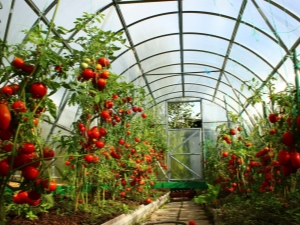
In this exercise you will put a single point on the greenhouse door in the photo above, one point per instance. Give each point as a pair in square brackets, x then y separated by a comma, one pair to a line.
[185, 158]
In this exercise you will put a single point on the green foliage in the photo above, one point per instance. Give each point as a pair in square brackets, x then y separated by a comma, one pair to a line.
[180, 115]
[210, 196]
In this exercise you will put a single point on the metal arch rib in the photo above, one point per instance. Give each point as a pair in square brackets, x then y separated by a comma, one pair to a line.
[198, 85]
[197, 97]
[214, 53]
[283, 9]
[201, 64]
[132, 45]
[45, 20]
[229, 84]
[252, 122]
[281, 43]
[295, 45]
[206, 100]
[235, 30]
[181, 45]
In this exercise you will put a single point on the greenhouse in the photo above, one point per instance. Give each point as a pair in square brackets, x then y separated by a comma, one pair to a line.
[131, 112]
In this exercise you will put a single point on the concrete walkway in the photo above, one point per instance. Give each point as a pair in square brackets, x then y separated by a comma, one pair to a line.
[181, 211]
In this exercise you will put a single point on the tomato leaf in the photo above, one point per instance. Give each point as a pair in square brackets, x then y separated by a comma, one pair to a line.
[51, 107]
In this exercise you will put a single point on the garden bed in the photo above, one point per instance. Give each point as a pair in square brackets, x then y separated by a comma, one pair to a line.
[121, 211]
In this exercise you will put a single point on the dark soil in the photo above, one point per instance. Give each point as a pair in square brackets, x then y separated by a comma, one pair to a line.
[61, 214]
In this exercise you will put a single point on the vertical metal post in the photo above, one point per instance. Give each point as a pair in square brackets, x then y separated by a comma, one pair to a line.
[168, 144]
[229, 124]
[296, 67]
[202, 143]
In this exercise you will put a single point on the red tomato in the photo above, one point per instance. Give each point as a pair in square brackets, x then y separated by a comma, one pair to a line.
[5, 117]
[88, 158]
[19, 106]
[298, 121]
[7, 146]
[104, 61]
[23, 197]
[17, 199]
[108, 104]
[273, 118]
[121, 142]
[101, 83]
[27, 148]
[192, 222]
[115, 96]
[272, 131]
[148, 200]
[28, 68]
[18, 63]
[137, 139]
[140, 109]
[48, 153]
[123, 194]
[99, 144]
[288, 139]
[232, 131]
[134, 108]
[103, 131]
[30, 172]
[88, 74]
[105, 114]
[144, 115]
[38, 90]
[4, 167]
[49, 186]
[34, 195]
[104, 74]
[284, 158]
[7, 90]
[225, 154]
[295, 159]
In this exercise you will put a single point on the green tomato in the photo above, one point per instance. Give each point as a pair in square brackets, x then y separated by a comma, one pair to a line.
[84, 65]
[86, 60]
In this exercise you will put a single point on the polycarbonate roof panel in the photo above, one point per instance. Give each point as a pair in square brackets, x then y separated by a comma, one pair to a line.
[186, 42]
[156, 46]
[198, 79]
[167, 69]
[203, 58]
[201, 70]
[154, 27]
[206, 43]
[200, 88]
[285, 26]
[165, 81]
[287, 71]
[198, 94]
[167, 93]
[125, 61]
[213, 112]
[160, 60]
[257, 65]
[244, 73]
[217, 25]
[138, 11]
[216, 6]
[237, 85]
[22, 19]
[259, 44]
[255, 21]
[161, 78]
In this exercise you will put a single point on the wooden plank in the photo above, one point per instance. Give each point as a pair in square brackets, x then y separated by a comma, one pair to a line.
[192, 184]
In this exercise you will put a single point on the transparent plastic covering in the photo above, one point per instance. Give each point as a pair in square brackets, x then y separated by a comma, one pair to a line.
[192, 49]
